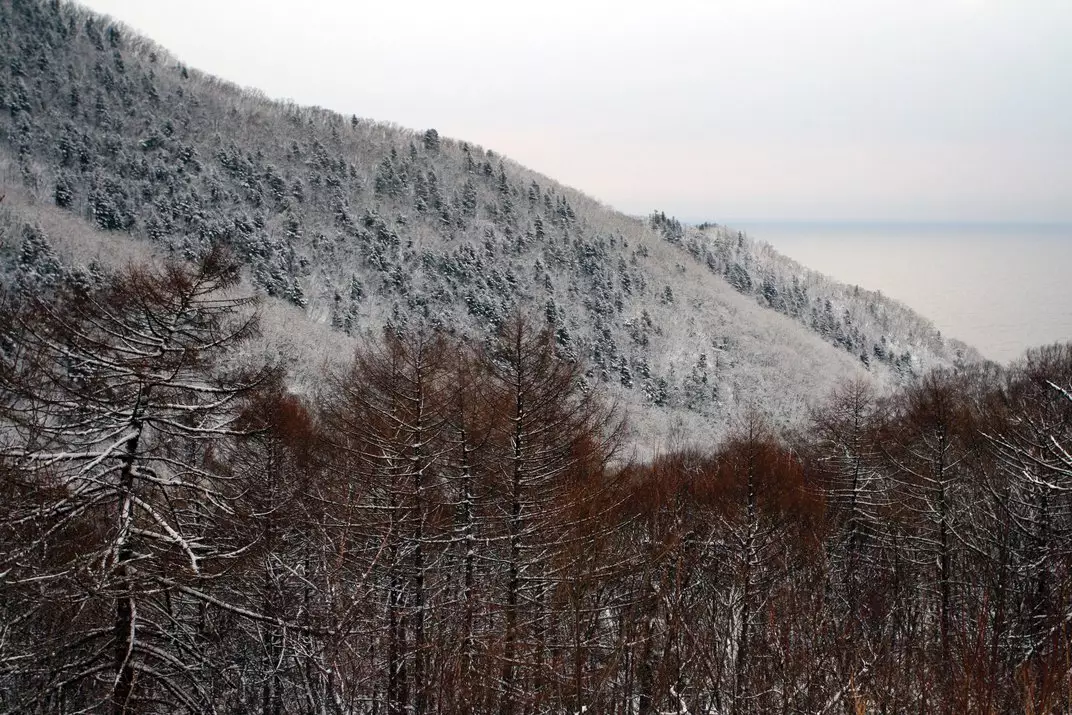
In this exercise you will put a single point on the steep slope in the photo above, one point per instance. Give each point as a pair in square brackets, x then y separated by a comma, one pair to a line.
[863, 322]
[106, 140]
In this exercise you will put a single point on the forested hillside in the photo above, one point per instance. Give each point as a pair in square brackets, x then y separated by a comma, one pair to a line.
[447, 528]
[303, 413]
[361, 224]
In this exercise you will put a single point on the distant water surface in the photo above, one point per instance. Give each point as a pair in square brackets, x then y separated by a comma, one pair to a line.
[999, 287]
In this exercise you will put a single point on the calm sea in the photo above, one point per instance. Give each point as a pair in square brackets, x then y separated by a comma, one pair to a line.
[1000, 287]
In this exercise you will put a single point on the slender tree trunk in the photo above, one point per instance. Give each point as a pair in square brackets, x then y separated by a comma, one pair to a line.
[395, 666]
[645, 674]
[470, 560]
[419, 650]
[124, 637]
[513, 588]
[854, 539]
[944, 555]
[272, 697]
[125, 608]
[740, 676]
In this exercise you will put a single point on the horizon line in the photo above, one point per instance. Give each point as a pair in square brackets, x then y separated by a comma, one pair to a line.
[1011, 223]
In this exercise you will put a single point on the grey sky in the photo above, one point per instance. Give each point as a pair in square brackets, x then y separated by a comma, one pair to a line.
[726, 109]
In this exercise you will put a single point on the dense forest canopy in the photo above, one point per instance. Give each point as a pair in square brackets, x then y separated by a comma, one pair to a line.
[450, 527]
[359, 224]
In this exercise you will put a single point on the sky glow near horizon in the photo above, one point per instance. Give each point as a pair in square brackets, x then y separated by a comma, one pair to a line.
[950, 110]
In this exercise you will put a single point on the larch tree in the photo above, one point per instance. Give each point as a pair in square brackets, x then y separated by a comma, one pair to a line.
[544, 424]
[112, 399]
[1031, 443]
[927, 452]
[761, 486]
[390, 417]
[282, 525]
[853, 484]
[470, 490]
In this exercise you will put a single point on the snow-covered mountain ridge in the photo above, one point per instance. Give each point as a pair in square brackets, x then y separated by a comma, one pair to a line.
[110, 147]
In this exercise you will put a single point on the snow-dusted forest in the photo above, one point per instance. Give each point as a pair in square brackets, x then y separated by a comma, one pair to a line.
[310, 413]
[449, 527]
[359, 224]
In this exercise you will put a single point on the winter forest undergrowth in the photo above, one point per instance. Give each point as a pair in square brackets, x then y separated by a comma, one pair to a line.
[446, 528]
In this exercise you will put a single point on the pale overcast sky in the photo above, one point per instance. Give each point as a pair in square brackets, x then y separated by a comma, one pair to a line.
[724, 109]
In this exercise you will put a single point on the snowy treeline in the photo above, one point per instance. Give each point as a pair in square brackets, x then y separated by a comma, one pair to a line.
[447, 528]
[363, 224]
[862, 322]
